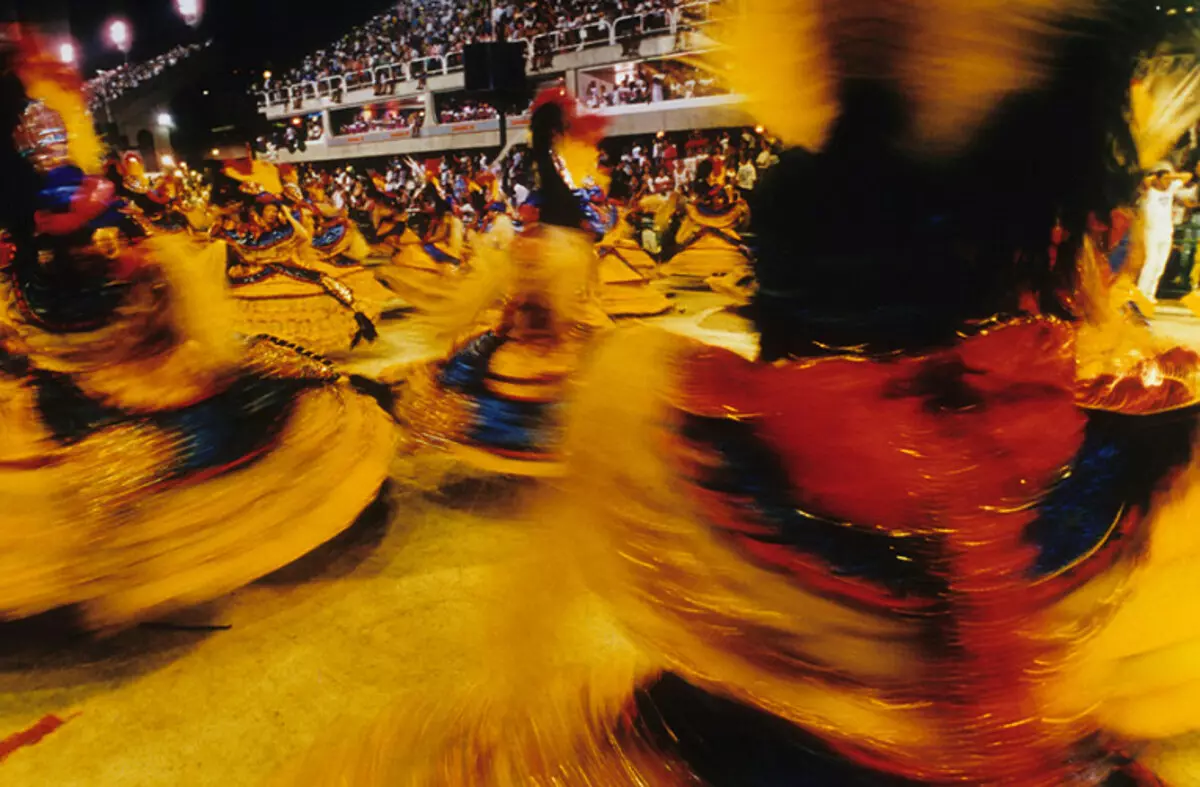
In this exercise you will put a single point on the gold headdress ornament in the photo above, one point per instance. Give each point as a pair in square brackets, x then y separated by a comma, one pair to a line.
[954, 60]
[256, 177]
[56, 87]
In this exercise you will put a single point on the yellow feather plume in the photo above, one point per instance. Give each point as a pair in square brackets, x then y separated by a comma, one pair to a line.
[778, 59]
[1164, 104]
[84, 147]
[582, 160]
[953, 59]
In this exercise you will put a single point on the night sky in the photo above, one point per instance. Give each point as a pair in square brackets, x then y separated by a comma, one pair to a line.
[253, 34]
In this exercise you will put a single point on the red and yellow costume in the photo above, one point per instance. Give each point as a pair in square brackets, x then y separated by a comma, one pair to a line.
[943, 531]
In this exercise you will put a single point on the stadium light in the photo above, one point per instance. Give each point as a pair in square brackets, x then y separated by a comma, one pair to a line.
[66, 52]
[120, 35]
[190, 10]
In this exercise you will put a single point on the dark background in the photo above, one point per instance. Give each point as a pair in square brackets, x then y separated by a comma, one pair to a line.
[249, 36]
[252, 34]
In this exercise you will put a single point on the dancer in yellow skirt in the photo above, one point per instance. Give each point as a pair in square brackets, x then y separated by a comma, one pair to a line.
[493, 219]
[519, 325]
[149, 460]
[708, 243]
[338, 244]
[911, 544]
[625, 269]
[281, 284]
[428, 264]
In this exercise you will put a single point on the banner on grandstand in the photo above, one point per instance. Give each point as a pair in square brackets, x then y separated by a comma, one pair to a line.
[473, 127]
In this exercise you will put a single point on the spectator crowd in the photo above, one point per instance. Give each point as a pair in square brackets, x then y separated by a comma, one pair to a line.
[650, 83]
[376, 118]
[109, 85]
[418, 29]
[453, 109]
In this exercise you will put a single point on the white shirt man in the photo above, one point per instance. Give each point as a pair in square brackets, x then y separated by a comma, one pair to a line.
[520, 194]
[747, 175]
[1158, 207]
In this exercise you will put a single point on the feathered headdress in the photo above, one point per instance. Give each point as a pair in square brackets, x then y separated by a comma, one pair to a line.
[56, 86]
[576, 137]
[563, 149]
[1164, 105]
[938, 144]
[255, 177]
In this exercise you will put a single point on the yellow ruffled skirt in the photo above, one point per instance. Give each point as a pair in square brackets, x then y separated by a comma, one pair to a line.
[81, 530]
[706, 257]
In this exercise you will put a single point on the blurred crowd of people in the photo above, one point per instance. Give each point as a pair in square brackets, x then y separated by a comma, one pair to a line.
[650, 83]
[669, 162]
[416, 29]
[639, 166]
[379, 119]
[109, 85]
[460, 110]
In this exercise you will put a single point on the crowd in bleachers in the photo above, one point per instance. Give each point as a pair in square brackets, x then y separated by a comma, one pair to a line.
[461, 110]
[377, 119]
[419, 29]
[109, 85]
[649, 83]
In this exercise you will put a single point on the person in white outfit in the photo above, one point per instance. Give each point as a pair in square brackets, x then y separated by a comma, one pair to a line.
[1158, 205]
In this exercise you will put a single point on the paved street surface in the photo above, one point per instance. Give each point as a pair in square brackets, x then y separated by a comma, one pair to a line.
[400, 609]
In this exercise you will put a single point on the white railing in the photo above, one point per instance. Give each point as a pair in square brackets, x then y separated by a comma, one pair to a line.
[539, 53]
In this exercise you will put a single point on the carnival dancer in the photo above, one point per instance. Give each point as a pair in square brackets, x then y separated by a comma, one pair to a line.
[384, 219]
[1163, 102]
[281, 284]
[340, 249]
[519, 325]
[624, 268]
[428, 263]
[911, 544]
[707, 243]
[153, 205]
[149, 460]
[493, 219]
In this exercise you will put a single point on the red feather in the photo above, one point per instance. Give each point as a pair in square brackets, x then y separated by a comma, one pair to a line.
[585, 126]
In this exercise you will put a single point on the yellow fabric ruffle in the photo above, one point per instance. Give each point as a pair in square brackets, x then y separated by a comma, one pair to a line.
[91, 528]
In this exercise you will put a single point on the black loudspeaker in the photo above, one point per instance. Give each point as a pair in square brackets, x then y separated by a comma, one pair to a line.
[494, 67]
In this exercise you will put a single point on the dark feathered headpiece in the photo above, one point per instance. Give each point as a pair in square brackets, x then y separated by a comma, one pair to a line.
[563, 147]
[937, 143]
